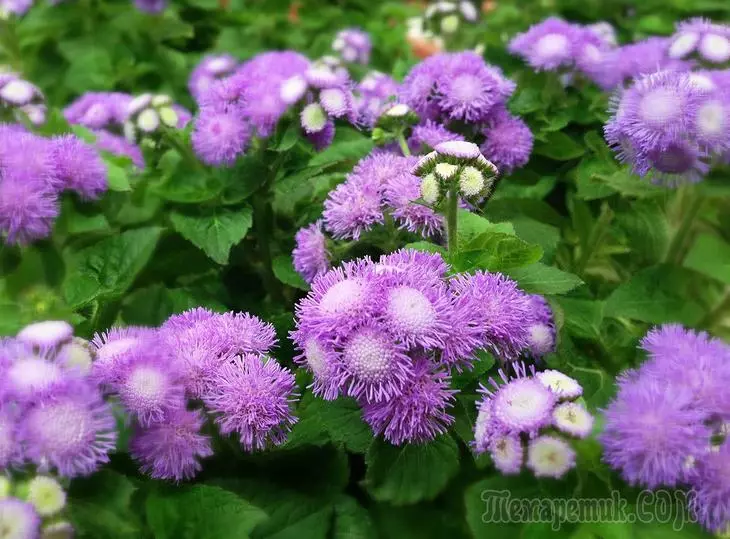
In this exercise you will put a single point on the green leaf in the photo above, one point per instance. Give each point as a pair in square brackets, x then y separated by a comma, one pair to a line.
[469, 225]
[539, 278]
[339, 421]
[284, 271]
[656, 295]
[105, 270]
[101, 506]
[710, 256]
[533, 231]
[352, 521]
[583, 317]
[495, 251]
[560, 147]
[488, 508]
[348, 150]
[412, 472]
[629, 184]
[118, 177]
[426, 247]
[200, 512]
[214, 233]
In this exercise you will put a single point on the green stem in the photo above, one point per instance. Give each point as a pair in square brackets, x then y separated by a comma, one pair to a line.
[717, 313]
[10, 43]
[403, 144]
[676, 251]
[595, 239]
[452, 208]
[263, 225]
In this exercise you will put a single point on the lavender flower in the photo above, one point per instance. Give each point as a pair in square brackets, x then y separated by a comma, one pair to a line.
[547, 45]
[572, 418]
[210, 69]
[19, 519]
[541, 329]
[508, 141]
[644, 58]
[172, 449]
[710, 495]
[150, 6]
[507, 452]
[20, 95]
[79, 167]
[120, 146]
[353, 45]
[10, 453]
[353, 207]
[220, 136]
[310, 255]
[112, 348]
[28, 208]
[550, 456]
[371, 95]
[16, 7]
[47, 334]
[252, 396]
[710, 41]
[99, 110]
[428, 135]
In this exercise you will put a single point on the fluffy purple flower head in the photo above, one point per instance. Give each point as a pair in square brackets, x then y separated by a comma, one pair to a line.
[241, 333]
[79, 167]
[28, 158]
[419, 412]
[263, 107]
[119, 146]
[150, 6]
[149, 386]
[209, 70]
[371, 95]
[98, 110]
[495, 311]
[508, 141]
[710, 495]
[541, 329]
[676, 162]
[418, 90]
[188, 319]
[47, 334]
[353, 207]
[710, 41]
[31, 377]
[547, 45]
[323, 361]
[550, 456]
[645, 57]
[16, 7]
[507, 452]
[19, 519]
[712, 122]
[253, 396]
[16, 92]
[651, 433]
[10, 451]
[322, 138]
[28, 208]
[427, 136]
[72, 431]
[113, 347]
[401, 195]
[310, 255]
[353, 45]
[220, 136]
[172, 449]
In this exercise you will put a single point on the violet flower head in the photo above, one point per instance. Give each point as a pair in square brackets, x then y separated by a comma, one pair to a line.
[427, 136]
[111, 349]
[651, 432]
[172, 449]
[542, 335]
[19, 519]
[28, 208]
[99, 110]
[646, 57]
[150, 6]
[209, 70]
[401, 194]
[353, 207]
[220, 136]
[547, 45]
[419, 412]
[322, 138]
[371, 95]
[508, 141]
[119, 146]
[507, 452]
[253, 396]
[311, 257]
[16, 7]
[79, 167]
[241, 333]
[188, 319]
[710, 495]
[353, 45]
[47, 334]
[710, 41]
[418, 87]
[10, 451]
[72, 431]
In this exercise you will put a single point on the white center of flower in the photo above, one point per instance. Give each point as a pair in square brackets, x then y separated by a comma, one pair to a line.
[560, 384]
[61, 428]
[430, 190]
[293, 89]
[711, 119]
[471, 181]
[368, 357]
[146, 385]
[522, 402]
[466, 88]
[703, 82]
[46, 495]
[148, 120]
[314, 118]
[316, 358]
[397, 111]
[47, 333]
[445, 171]
[573, 419]
[342, 297]
[334, 100]
[33, 374]
[17, 91]
[550, 457]
[683, 45]
[349, 54]
[219, 65]
[552, 46]
[411, 310]
[541, 338]
[660, 106]
[715, 48]
[116, 348]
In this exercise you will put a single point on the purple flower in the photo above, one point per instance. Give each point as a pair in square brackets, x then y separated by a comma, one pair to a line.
[149, 386]
[322, 138]
[120, 146]
[16, 92]
[98, 110]
[323, 361]
[419, 86]
[651, 430]
[19, 519]
[209, 70]
[28, 158]
[10, 451]
[401, 194]
[547, 45]
[353, 207]
[371, 95]
[150, 6]
[172, 449]
[188, 319]
[497, 312]
[241, 333]
[541, 328]
[31, 377]
[507, 452]
[79, 167]
[112, 347]
[310, 255]
[47, 334]
[419, 412]
[28, 208]
[427, 136]
[220, 136]
[72, 431]
[550, 456]
[253, 395]
[710, 495]
[17, 7]
[508, 141]
[353, 45]
[572, 418]
[646, 57]
[709, 40]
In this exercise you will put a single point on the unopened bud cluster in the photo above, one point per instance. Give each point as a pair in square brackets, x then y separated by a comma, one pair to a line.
[20, 96]
[146, 113]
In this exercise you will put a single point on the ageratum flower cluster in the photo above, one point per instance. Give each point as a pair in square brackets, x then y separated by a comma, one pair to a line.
[669, 125]
[702, 39]
[460, 92]
[52, 413]
[353, 45]
[198, 364]
[387, 333]
[244, 104]
[146, 113]
[18, 96]
[372, 94]
[667, 425]
[533, 409]
[32, 508]
[34, 171]
[211, 69]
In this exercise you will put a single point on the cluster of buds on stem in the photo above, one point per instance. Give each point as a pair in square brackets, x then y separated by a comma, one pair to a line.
[21, 98]
[455, 166]
[393, 123]
[146, 113]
